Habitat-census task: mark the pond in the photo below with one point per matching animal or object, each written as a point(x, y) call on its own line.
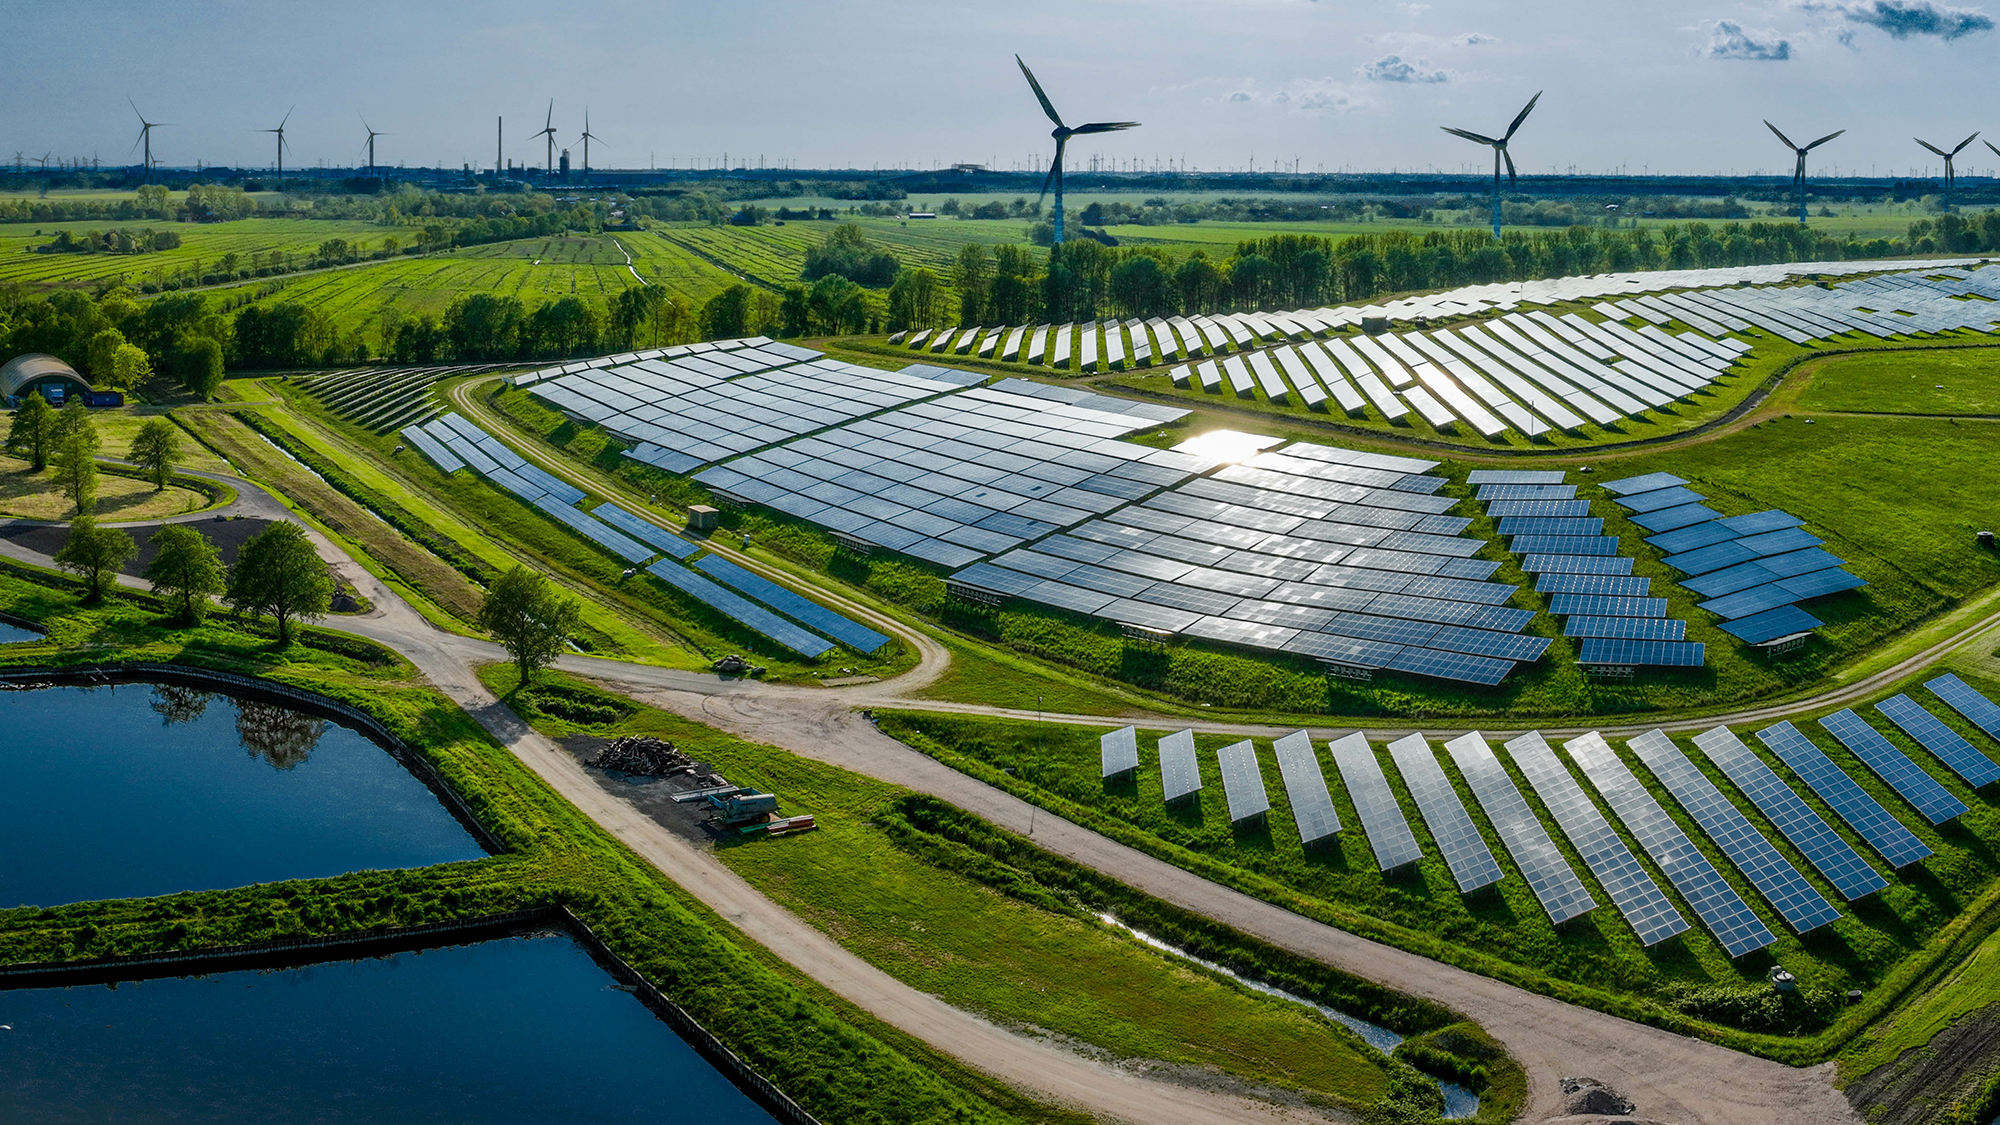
point(137, 790)
point(523, 1029)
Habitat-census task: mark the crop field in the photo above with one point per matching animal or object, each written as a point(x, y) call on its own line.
point(774, 255)
point(201, 244)
point(1504, 932)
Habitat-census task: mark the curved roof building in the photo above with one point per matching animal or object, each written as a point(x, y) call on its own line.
point(55, 379)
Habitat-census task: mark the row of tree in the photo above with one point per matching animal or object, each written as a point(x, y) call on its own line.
point(117, 341)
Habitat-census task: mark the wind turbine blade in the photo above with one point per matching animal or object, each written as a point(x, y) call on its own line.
point(1781, 135)
point(1468, 135)
point(1104, 127)
point(135, 109)
point(1996, 151)
point(1824, 139)
point(1931, 146)
point(1510, 166)
point(1522, 116)
point(1039, 96)
point(1962, 144)
point(551, 120)
point(287, 118)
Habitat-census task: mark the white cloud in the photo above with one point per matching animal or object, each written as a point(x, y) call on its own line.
point(1473, 39)
point(1730, 40)
point(1305, 95)
point(1904, 18)
point(1395, 68)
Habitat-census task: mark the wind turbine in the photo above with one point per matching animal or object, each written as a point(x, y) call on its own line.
point(1499, 153)
point(548, 132)
point(372, 134)
point(1799, 171)
point(1949, 175)
point(145, 135)
point(1062, 133)
point(280, 130)
point(587, 137)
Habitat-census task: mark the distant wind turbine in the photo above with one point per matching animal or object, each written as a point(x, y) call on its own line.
point(587, 137)
point(1499, 153)
point(372, 134)
point(1062, 133)
point(1950, 176)
point(1799, 170)
point(145, 135)
point(548, 132)
point(280, 130)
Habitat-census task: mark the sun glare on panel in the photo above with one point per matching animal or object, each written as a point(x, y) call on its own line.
point(1226, 446)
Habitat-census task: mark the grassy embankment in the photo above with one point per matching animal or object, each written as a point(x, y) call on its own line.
point(989, 923)
point(841, 1064)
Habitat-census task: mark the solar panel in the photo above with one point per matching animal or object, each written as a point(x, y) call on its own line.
point(1556, 886)
point(1305, 787)
point(1609, 585)
point(1632, 486)
point(591, 529)
point(1515, 476)
point(1849, 801)
point(1893, 766)
point(1118, 751)
point(1802, 907)
point(1564, 545)
point(1771, 624)
point(1465, 851)
point(1667, 519)
point(1824, 849)
point(1727, 916)
point(1661, 499)
point(854, 635)
point(1820, 583)
point(645, 532)
point(1626, 628)
point(1180, 774)
point(1539, 509)
point(1594, 605)
point(1381, 817)
point(434, 449)
point(1242, 782)
point(1951, 748)
point(1651, 654)
point(1968, 702)
point(1537, 525)
point(1638, 898)
point(740, 609)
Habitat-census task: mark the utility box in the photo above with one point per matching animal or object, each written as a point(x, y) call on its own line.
point(701, 517)
point(1986, 540)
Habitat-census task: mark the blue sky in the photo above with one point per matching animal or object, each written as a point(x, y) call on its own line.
point(1217, 83)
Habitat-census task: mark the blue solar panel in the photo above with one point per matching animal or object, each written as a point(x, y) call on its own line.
point(1526, 492)
point(644, 531)
point(1951, 748)
point(1611, 585)
point(1305, 787)
point(1803, 907)
point(1824, 849)
point(1465, 851)
point(1893, 766)
point(622, 546)
point(1722, 583)
point(1725, 913)
point(1771, 624)
point(1661, 499)
point(1486, 642)
point(1757, 523)
point(1564, 545)
point(1576, 564)
point(444, 458)
point(1539, 509)
point(740, 609)
point(1781, 541)
point(1820, 583)
point(1626, 628)
point(1375, 804)
point(1655, 654)
point(852, 634)
point(1849, 801)
point(1549, 875)
point(1514, 476)
point(1651, 915)
point(1967, 701)
point(1631, 486)
point(1715, 556)
point(1743, 603)
point(1691, 538)
point(1451, 666)
point(1799, 563)
point(1667, 519)
point(1538, 525)
point(1593, 605)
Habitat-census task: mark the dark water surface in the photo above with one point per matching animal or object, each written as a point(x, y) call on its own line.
point(139, 790)
point(525, 1029)
point(14, 634)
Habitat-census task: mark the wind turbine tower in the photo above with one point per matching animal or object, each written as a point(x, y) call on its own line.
point(1500, 153)
point(1950, 176)
point(372, 134)
point(145, 137)
point(1062, 133)
point(280, 130)
point(587, 137)
point(1799, 169)
point(548, 132)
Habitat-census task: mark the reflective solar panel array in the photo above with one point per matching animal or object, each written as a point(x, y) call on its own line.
point(740, 609)
point(858, 637)
point(1848, 800)
point(1794, 898)
point(1823, 848)
point(1351, 558)
point(1375, 804)
point(1465, 851)
point(1951, 748)
point(1722, 910)
point(1556, 886)
point(1180, 773)
point(1893, 766)
point(1118, 751)
point(977, 472)
point(1242, 782)
point(1968, 702)
point(1750, 568)
point(1305, 787)
point(1639, 899)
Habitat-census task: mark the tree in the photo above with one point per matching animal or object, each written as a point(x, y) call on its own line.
point(130, 368)
point(92, 552)
point(197, 363)
point(157, 449)
point(32, 434)
point(971, 275)
point(188, 567)
point(726, 316)
point(278, 573)
point(75, 455)
point(101, 357)
point(529, 618)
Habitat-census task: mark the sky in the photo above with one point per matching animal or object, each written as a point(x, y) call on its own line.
point(1219, 85)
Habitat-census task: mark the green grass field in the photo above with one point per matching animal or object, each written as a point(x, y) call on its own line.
point(201, 245)
point(1963, 382)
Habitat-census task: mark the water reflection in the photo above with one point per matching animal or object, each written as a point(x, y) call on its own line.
point(279, 735)
point(174, 703)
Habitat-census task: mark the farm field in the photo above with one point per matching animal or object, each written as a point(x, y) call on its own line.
point(775, 254)
point(201, 244)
